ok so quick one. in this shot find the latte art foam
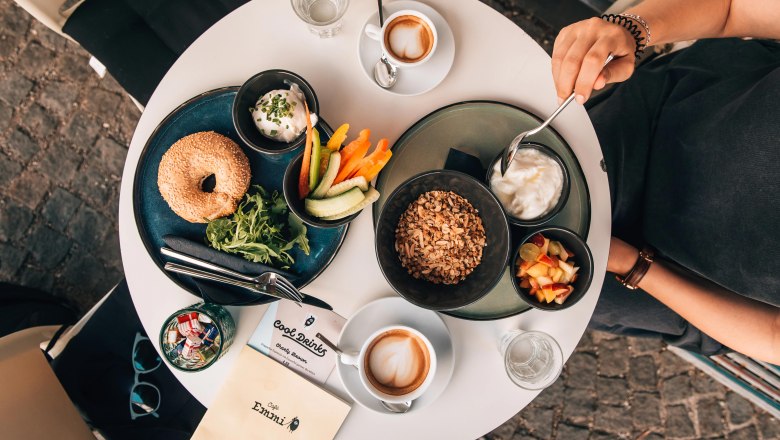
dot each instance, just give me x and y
(397, 362)
(409, 38)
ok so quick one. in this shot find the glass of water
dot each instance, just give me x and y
(322, 16)
(533, 359)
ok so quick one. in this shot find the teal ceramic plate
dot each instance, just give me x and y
(483, 129)
(212, 111)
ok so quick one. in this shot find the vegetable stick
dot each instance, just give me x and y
(303, 179)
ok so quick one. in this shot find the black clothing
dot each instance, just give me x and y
(691, 144)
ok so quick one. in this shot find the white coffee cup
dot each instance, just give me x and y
(388, 344)
(412, 35)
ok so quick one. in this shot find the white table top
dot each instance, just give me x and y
(495, 60)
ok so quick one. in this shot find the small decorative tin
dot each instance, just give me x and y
(194, 337)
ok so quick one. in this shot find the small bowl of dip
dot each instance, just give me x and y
(534, 188)
(268, 111)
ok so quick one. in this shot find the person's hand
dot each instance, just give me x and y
(622, 257)
(579, 54)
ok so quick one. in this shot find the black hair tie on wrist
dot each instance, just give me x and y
(632, 28)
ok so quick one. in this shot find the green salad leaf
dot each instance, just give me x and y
(262, 230)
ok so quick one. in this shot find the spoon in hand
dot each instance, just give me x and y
(385, 72)
(509, 153)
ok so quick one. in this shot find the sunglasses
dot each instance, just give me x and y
(144, 397)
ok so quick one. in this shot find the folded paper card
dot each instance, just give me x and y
(263, 399)
(288, 334)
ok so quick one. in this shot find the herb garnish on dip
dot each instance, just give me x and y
(280, 114)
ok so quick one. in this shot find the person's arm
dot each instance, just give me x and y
(748, 326)
(581, 48)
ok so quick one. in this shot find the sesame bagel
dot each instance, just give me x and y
(192, 159)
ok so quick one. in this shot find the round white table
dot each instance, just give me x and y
(495, 60)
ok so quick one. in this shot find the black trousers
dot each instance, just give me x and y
(691, 143)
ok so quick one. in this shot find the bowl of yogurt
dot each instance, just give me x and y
(269, 111)
(534, 188)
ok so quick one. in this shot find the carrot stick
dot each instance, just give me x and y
(372, 171)
(372, 158)
(353, 161)
(303, 179)
(353, 146)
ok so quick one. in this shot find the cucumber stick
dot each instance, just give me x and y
(334, 162)
(316, 156)
(355, 182)
(371, 196)
(334, 205)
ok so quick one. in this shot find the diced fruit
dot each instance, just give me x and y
(560, 288)
(560, 298)
(357, 182)
(523, 267)
(537, 239)
(555, 248)
(568, 268)
(529, 252)
(537, 270)
(557, 274)
(544, 281)
(549, 295)
(371, 196)
(543, 269)
(334, 205)
(547, 261)
(328, 177)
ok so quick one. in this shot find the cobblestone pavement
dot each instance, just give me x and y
(63, 139)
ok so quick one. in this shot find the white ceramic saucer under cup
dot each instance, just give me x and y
(411, 80)
(395, 311)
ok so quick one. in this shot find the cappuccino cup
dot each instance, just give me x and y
(408, 38)
(396, 364)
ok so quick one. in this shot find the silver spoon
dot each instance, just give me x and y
(511, 150)
(385, 72)
(399, 408)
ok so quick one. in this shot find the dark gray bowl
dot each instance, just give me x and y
(582, 258)
(296, 204)
(494, 256)
(247, 97)
(564, 189)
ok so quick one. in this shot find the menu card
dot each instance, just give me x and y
(262, 399)
(287, 333)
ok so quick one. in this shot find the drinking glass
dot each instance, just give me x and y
(533, 359)
(322, 16)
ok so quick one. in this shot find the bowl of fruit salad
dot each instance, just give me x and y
(328, 184)
(552, 268)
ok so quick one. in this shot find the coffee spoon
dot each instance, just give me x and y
(509, 153)
(399, 408)
(385, 72)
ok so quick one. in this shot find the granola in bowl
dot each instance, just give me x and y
(440, 238)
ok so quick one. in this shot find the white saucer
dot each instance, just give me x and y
(389, 311)
(411, 80)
